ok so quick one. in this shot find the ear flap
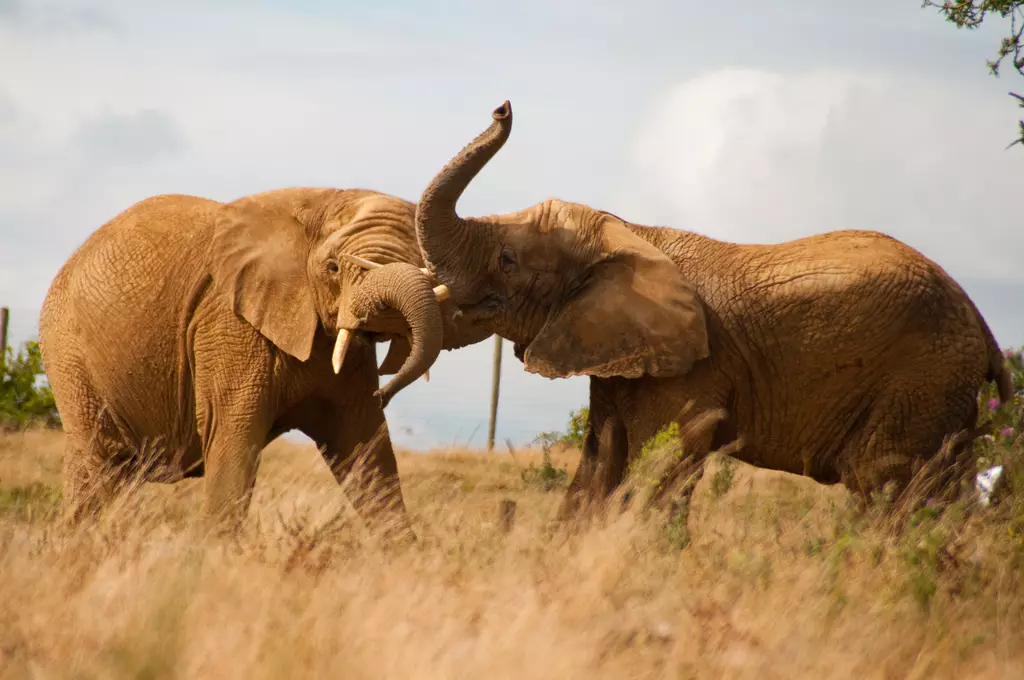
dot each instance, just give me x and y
(636, 315)
(259, 255)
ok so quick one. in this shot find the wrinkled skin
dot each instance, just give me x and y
(186, 334)
(846, 356)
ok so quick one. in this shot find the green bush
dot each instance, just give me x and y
(546, 477)
(24, 400)
(573, 436)
(1007, 429)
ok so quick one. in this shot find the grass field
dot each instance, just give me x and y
(779, 579)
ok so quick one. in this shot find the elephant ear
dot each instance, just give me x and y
(635, 315)
(259, 255)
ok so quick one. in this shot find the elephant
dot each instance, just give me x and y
(185, 334)
(846, 356)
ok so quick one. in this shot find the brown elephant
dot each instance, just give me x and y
(847, 356)
(185, 334)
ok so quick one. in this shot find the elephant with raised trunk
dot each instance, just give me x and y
(846, 356)
(185, 334)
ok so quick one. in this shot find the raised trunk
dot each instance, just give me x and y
(443, 237)
(406, 289)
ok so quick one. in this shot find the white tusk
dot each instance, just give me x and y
(442, 293)
(426, 375)
(365, 264)
(426, 271)
(340, 347)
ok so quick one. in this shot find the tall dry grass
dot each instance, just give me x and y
(773, 576)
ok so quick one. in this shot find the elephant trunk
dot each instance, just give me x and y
(443, 237)
(406, 289)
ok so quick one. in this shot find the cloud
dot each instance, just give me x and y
(49, 18)
(132, 138)
(759, 156)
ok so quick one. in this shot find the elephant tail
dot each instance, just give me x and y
(997, 370)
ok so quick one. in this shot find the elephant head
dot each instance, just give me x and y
(297, 260)
(576, 290)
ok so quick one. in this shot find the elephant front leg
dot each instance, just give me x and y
(233, 429)
(579, 488)
(231, 461)
(603, 460)
(360, 455)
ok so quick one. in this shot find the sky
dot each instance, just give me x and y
(748, 121)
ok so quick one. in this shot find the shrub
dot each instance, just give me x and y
(24, 399)
(574, 434)
(546, 477)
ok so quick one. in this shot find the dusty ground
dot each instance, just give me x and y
(780, 580)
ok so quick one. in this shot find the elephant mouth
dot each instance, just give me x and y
(486, 309)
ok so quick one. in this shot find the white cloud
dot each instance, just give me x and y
(759, 156)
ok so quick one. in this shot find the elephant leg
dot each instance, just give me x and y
(89, 483)
(904, 431)
(231, 461)
(612, 456)
(603, 459)
(356, 445)
(233, 433)
(578, 492)
(348, 425)
(94, 468)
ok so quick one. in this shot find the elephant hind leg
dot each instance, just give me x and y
(94, 473)
(902, 439)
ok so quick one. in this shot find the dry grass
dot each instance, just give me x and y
(780, 580)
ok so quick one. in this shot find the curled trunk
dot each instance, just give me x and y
(406, 289)
(441, 234)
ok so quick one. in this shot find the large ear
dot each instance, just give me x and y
(259, 256)
(636, 314)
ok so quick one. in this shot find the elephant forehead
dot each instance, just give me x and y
(571, 217)
(547, 251)
(375, 209)
(349, 224)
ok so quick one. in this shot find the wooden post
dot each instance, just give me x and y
(5, 316)
(495, 383)
(506, 515)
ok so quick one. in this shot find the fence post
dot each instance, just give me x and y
(5, 316)
(495, 383)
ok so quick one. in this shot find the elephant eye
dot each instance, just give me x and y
(332, 266)
(509, 264)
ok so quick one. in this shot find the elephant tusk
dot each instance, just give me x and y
(426, 375)
(364, 263)
(367, 264)
(340, 348)
(442, 293)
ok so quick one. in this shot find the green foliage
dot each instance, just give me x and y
(648, 475)
(657, 457)
(666, 438)
(1007, 419)
(546, 477)
(574, 434)
(970, 14)
(721, 481)
(23, 401)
